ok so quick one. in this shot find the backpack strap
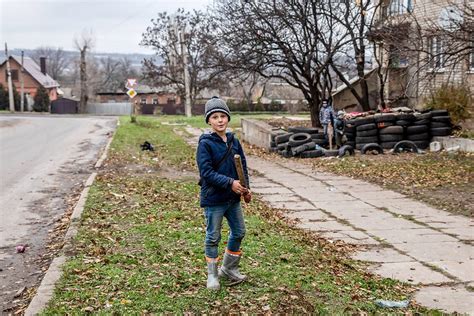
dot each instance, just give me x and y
(226, 155)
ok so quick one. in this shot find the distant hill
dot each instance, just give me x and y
(136, 59)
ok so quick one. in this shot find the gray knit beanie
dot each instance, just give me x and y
(215, 105)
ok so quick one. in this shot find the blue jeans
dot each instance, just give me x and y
(214, 215)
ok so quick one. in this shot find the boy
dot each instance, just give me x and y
(339, 125)
(221, 192)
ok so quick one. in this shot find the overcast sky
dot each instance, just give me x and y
(117, 24)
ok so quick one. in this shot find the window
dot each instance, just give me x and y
(14, 73)
(397, 7)
(143, 101)
(436, 52)
(397, 59)
(155, 100)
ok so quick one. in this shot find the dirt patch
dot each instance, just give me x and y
(284, 123)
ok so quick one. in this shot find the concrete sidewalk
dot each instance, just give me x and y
(403, 238)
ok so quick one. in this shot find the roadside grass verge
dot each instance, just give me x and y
(140, 251)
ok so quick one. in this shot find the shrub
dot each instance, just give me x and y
(455, 99)
(41, 100)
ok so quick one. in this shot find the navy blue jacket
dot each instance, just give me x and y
(216, 184)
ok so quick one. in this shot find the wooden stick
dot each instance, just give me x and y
(240, 170)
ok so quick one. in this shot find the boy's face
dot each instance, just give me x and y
(218, 121)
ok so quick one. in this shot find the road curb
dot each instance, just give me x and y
(53, 274)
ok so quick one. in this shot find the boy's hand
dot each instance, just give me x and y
(238, 188)
(247, 197)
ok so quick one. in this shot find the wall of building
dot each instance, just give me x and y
(30, 84)
(345, 100)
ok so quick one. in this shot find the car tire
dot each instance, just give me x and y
(441, 131)
(283, 138)
(441, 112)
(443, 119)
(366, 127)
(422, 122)
(363, 120)
(301, 129)
(391, 137)
(367, 140)
(331, 153)
(422, 136)
(344, 150)
(283, 146)
(312, 153)
(385, 118)
(318, 136)
(371, 147)
(417, 129)
(299, 139)
(391, 130)
(405, 146)
(370, 132)
(439, 124)
(422, 116)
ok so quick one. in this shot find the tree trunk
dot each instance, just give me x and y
(314, 110)
(83, 75)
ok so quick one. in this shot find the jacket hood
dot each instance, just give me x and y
(214, 137)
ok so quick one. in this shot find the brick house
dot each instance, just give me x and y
(413, 55)
(149, 100)
(34, 76)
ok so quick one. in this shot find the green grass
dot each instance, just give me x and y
(140, 250)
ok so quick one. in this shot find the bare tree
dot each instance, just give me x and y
(289, 40)
(113, 73)
(354, 19)
(196, 38)
(84, 43)
(57, 60)
(109, 75)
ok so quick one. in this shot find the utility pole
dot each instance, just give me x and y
(22, 85)
(10, 85)
(187, 86)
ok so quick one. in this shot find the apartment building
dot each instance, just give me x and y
(423, 44)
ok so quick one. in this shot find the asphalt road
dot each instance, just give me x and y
(43, 161)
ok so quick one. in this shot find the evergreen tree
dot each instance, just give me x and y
(16, 99)
(41, 100)
(3, 98)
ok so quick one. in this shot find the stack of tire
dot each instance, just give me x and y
(419, 130)
(273, 143)
(440, 123)
(350, 132)
(389, 132)
(281, 142)
(317, 137)
(365, 131)
(300, 142)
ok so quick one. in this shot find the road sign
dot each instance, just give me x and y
(131, 93)
(131, 83)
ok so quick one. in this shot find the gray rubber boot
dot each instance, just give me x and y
(230, 268)
(212, 275)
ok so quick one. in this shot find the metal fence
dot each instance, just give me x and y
(124, 108)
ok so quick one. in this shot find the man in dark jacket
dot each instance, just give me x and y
(326, 117)
(221, 192)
